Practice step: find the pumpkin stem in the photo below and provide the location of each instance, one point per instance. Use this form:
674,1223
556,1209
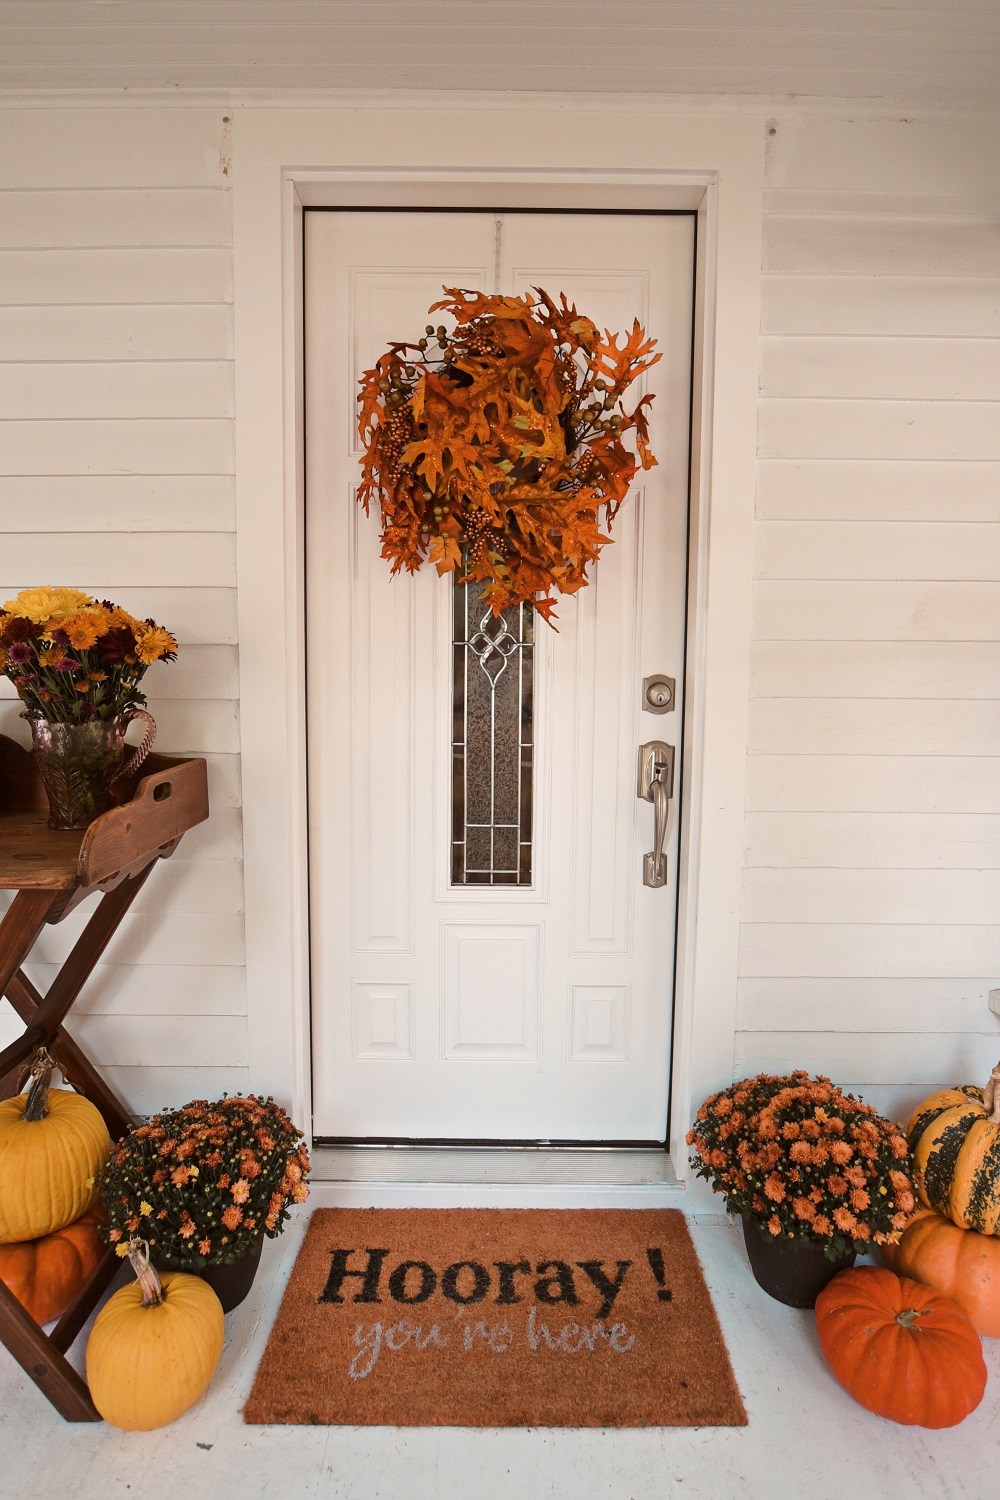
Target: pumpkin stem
152,1290
991,1096
36,1105
909,1316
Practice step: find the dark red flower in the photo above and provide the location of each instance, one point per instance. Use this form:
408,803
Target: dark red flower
17,628
116,644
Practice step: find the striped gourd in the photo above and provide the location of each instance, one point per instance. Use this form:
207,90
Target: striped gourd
955,1139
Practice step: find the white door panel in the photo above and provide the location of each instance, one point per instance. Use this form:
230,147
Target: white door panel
488,1012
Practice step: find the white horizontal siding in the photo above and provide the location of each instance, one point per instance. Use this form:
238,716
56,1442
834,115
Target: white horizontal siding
880,550
138,149
156,989
809,427
870,246
855,841
876,368
904,1059
884,610
841,157
958,897
184,332
911,1005
876,669
153,936
874,307
122,275
168,388
871,887
95,503
873,783
64,446
117,476
150,1088
206,560
868,950
866,726
850,489
51,219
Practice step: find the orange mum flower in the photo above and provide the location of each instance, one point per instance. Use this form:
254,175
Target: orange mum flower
775,1188
232,1216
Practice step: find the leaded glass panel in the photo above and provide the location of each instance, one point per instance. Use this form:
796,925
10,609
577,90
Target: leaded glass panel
492,740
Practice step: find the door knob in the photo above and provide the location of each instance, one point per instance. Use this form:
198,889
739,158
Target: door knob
656,785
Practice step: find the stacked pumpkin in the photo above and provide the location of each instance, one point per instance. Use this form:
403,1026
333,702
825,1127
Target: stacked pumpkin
952,1244
156,1343
53,1145
904,1341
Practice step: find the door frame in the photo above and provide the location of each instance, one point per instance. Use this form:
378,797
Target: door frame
713,164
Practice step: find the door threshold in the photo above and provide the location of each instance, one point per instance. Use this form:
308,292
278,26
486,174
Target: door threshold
469,1176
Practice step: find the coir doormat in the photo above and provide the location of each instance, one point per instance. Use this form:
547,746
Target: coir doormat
496,1318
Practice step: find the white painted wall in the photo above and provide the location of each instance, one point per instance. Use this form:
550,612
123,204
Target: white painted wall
871,891
873,796
117,474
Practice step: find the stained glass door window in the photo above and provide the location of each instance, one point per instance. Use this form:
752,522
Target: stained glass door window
492,740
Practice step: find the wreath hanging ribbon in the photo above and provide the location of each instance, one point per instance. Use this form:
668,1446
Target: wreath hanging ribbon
498,448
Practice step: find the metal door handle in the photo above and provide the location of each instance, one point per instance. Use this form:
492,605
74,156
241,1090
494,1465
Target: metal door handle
656,785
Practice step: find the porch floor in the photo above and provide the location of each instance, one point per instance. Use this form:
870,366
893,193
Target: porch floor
806,1437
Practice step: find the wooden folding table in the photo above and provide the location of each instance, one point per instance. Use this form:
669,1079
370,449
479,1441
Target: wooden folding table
52,873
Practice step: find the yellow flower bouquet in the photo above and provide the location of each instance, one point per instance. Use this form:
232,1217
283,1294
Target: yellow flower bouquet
73,659
76,663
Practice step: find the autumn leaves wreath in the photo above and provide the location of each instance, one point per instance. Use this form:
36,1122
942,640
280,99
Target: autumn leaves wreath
498,448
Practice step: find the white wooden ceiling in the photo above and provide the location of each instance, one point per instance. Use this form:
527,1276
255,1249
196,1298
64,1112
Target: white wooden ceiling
941,52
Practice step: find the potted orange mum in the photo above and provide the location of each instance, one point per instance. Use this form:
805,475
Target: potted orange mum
816,1175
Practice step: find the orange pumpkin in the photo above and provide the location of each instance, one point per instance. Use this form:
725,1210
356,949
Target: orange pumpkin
901,1349
958,1263
45,1275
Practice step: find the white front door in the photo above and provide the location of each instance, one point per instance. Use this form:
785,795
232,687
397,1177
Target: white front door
487,964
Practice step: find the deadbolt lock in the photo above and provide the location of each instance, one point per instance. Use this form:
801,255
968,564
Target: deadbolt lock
658,694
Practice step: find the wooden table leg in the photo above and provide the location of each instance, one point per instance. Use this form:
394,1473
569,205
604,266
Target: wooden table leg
25,917
74,1063
90,1294
24,920
43,1015
85,954
51,1371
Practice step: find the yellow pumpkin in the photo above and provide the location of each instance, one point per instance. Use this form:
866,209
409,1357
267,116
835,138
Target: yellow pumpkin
53,1145
154,1347
955,1139
959,1263
46,1275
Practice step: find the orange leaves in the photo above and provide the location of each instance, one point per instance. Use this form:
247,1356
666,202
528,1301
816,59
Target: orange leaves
499,447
